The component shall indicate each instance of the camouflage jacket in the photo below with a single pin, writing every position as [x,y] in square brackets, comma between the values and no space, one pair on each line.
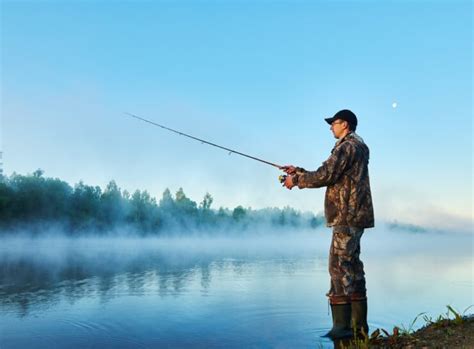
[345,173]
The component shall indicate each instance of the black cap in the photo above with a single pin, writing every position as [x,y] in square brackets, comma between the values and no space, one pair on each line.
[345,115]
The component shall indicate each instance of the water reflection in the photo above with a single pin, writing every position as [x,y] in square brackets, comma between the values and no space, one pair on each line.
[261,293]
[40,275]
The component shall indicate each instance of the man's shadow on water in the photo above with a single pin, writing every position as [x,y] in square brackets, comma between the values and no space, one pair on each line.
[343,343]
[353,342]
[348,343]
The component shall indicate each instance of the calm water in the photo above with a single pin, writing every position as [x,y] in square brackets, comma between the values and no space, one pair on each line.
[216,293]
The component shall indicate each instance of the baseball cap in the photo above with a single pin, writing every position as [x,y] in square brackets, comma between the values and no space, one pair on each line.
[345,115]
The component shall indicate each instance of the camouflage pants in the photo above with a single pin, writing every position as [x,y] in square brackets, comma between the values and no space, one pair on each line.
[345,267]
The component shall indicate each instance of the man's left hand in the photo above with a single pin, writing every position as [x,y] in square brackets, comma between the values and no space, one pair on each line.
[289,183]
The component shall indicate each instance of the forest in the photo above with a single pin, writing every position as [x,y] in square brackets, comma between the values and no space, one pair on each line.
[35,203]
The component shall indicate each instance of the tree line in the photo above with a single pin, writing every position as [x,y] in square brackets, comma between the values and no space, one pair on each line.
[35,200]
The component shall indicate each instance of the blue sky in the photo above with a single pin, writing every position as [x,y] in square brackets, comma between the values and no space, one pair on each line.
[256,76]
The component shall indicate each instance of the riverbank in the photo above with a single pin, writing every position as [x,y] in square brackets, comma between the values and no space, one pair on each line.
[440,333]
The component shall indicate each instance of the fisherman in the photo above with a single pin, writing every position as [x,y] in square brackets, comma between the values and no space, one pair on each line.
[348,210]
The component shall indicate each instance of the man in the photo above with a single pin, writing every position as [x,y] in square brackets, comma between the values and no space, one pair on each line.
[348,210]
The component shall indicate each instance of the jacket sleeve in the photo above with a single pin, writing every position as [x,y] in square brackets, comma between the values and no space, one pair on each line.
[330,171]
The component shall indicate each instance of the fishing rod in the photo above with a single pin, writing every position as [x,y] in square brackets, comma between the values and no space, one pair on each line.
[206,142]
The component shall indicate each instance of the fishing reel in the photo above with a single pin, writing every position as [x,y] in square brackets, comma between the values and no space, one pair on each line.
[282,178]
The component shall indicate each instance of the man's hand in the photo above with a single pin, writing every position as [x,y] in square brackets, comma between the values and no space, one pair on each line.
[289,169]
[289,182]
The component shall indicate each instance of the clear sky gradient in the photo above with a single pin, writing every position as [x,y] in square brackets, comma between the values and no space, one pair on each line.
[256,76]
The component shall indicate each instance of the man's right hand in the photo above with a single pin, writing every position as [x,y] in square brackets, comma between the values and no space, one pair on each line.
[289,169]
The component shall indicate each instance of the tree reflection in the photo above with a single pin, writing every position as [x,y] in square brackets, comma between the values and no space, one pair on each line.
[37,274]
[29,282]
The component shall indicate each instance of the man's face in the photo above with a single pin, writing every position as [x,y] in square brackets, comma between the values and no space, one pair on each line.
[338,128]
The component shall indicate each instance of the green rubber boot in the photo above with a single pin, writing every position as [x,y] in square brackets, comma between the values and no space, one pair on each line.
[359,317]
[341,321]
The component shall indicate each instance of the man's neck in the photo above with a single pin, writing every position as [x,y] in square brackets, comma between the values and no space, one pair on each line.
[344,135]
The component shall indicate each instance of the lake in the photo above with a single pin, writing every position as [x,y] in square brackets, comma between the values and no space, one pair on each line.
[266,291]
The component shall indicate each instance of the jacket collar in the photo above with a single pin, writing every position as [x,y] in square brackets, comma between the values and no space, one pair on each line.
[349,135]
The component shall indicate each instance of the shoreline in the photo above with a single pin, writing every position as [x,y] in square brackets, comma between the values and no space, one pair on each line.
[443,332]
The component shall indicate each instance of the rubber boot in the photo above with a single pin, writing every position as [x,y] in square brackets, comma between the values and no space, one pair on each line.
[359,317]
[341,321]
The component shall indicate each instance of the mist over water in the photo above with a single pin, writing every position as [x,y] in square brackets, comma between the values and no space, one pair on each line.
[204,291]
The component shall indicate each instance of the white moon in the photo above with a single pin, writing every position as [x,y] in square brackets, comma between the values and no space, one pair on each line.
[394,105]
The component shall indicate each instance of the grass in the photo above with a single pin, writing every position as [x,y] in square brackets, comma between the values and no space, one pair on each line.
[408,331]
[458,317]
